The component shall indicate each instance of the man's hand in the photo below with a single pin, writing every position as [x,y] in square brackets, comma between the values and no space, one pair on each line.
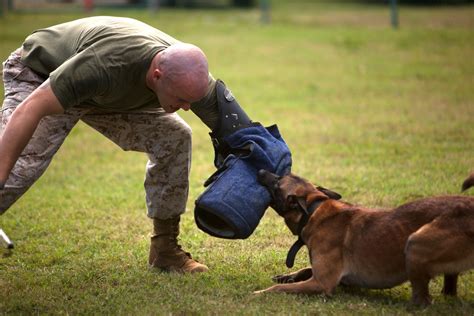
[23,123]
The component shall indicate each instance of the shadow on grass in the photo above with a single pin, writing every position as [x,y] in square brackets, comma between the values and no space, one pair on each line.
[400,297]
[5,253]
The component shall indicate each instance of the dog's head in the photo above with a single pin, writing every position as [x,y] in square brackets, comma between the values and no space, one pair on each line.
[292,195]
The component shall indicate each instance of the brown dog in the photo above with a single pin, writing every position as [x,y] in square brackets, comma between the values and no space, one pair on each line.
[356,246]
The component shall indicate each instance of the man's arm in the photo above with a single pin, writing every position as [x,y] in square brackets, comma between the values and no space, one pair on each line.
[223,115]
[23,123]
[206,109]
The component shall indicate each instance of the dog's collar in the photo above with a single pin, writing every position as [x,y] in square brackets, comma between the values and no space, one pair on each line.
[307,212]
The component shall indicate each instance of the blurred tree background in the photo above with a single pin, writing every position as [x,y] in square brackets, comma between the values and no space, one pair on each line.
[421,2]
[22,4]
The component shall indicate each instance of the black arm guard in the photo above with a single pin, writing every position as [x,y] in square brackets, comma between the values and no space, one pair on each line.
[231,119]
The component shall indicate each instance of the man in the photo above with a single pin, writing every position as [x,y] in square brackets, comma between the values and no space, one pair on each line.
[125,79]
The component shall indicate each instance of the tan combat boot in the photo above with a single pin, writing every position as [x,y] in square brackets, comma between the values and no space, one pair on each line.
[166,254]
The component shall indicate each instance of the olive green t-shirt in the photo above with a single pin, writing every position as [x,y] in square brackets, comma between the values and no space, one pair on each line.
[102,62]
[99,61]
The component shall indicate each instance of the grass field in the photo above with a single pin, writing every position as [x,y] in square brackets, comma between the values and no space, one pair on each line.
[381,116]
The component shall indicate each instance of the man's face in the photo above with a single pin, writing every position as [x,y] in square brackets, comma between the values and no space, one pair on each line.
[177,95]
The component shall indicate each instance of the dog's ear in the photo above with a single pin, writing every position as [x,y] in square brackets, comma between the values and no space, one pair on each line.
[302,202]
[331,194]
[292,201]
[295,201]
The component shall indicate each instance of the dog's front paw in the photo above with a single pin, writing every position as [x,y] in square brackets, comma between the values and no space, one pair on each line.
[284,278]
[259,292]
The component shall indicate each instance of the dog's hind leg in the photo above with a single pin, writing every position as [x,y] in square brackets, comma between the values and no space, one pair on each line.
[418,252]
[419,280]
[443,246]
[450,284]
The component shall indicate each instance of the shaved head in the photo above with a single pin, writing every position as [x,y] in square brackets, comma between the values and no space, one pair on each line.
[179,76]
[185,64]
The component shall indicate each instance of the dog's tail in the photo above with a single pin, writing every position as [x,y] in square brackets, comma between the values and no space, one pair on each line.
[469,182]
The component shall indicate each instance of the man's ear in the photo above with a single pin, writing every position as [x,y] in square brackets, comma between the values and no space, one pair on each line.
[157,74]
[331,194]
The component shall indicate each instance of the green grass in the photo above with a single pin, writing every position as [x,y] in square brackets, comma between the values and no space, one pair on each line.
[381,116]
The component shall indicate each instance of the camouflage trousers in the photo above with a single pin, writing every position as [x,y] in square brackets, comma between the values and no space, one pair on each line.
[164,137]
